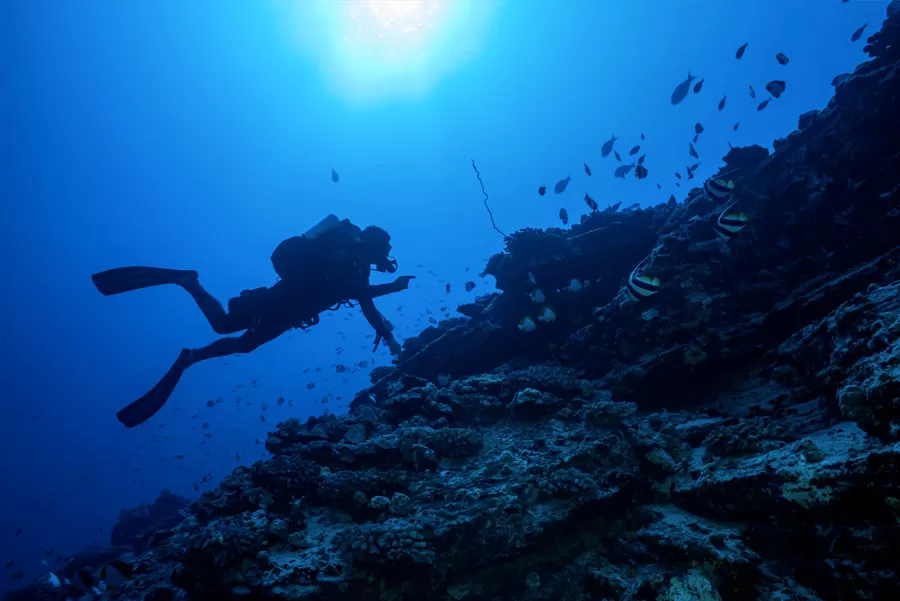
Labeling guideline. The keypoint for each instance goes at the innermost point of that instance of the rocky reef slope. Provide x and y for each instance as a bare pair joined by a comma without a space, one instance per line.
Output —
734,438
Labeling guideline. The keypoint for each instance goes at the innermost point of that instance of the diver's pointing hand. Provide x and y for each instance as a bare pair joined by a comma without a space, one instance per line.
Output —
403,281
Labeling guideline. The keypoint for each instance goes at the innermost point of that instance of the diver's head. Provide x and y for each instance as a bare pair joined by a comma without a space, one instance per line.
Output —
376,244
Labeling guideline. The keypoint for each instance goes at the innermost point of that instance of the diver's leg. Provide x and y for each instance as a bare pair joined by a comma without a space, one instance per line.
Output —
234,345
216,315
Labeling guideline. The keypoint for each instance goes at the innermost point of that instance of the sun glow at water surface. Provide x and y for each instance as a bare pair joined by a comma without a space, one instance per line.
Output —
377,49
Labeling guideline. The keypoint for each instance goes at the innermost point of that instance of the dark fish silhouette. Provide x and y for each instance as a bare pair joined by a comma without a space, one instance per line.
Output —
690,172
782,58
763,104
622,171
634,151
696,137
752,93
608,146
470,286
334,176
698,129
641,159
693,151
740,51
642,136
587,169
640,172
542,190
678,175
698,86
618,158
560,186
858,33
722,102
695,166
776,88
590,202
681,90
564,215
736,126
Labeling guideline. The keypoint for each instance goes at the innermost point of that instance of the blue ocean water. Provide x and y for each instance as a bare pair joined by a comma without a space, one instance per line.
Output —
199,135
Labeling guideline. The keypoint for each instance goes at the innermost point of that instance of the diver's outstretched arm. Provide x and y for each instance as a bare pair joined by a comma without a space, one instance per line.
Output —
379,324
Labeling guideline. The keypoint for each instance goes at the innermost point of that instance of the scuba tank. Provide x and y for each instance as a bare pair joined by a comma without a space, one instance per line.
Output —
295,258
329,223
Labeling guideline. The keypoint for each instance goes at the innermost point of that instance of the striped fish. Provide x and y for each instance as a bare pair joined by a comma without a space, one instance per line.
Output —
640,287
718,190
729,224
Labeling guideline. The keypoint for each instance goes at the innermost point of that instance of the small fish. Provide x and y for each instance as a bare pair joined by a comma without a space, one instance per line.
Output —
591,203
658,187
560,186
696,137
729,225
640,287
447,288
677,175
634,151
575,286
618,158
334,176
763,104
339,369
681,90
641,159
698,86
537,296
587,169
608,146
622,171
695,166
693,151
858,33
722,102
564,216
546,315
542,190
640,171
740,51
752,93
782,58
718,190
690,172
642,136
776,88
698,128
736,126
470,286
526,324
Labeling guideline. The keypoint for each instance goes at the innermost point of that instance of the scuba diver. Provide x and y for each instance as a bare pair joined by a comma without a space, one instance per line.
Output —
324,269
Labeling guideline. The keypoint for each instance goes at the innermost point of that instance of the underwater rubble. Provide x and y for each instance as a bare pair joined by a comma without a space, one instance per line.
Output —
735,438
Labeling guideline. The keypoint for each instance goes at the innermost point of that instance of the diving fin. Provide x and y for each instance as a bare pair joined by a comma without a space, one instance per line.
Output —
148,405
126,279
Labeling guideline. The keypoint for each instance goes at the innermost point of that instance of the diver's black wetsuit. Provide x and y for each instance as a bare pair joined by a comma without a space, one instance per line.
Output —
284,307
